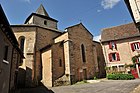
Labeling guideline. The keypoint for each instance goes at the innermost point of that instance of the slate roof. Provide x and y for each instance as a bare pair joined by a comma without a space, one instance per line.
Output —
119,32
41,10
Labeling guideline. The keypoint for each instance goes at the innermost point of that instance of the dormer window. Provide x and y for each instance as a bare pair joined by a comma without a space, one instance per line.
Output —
112,45
45,22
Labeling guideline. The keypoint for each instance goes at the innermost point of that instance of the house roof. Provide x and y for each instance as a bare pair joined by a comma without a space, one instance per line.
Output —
41,10
119,32
78,25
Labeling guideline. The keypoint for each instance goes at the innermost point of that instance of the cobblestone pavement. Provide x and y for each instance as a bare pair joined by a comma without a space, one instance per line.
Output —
105,86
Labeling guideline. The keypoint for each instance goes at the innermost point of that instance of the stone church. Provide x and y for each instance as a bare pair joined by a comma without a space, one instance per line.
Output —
54,57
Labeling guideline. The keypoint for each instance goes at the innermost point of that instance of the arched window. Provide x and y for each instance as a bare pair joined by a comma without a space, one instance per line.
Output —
21,43
83,53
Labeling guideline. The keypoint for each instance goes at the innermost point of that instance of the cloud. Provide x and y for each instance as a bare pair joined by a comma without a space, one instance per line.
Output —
97,38
99,11
109,4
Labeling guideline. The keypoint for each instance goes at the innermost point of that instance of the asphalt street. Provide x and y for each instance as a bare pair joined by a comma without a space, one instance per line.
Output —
104,86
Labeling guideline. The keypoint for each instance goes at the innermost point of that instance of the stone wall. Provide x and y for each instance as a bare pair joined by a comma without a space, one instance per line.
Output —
40,22
78,69
100,67
45,37
29,46
5,65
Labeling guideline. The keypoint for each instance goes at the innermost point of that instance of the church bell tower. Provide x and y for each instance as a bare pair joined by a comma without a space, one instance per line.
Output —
41,18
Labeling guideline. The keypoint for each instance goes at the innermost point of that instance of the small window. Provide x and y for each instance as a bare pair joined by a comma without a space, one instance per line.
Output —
45,22
83,53
112,45
135,46
5,53
21,43
114,68
121,68
60,63
114,57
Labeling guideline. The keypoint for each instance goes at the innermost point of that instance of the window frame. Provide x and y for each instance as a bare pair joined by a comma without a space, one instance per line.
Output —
112,45
83,53
5,57
45,22
111,57
22,47
135,46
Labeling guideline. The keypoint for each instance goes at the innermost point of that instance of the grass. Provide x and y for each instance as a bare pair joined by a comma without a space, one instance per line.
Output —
81,82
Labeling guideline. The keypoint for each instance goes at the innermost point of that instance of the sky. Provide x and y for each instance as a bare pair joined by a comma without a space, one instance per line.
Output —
94,14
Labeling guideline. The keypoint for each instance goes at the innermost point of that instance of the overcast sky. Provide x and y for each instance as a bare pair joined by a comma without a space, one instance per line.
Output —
94,14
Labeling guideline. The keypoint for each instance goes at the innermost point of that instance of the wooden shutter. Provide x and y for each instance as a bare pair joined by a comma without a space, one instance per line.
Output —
132,46
110,57
110,45
118,57
115,45
139,44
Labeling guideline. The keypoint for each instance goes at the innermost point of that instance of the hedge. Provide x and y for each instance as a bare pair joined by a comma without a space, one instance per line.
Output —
120,76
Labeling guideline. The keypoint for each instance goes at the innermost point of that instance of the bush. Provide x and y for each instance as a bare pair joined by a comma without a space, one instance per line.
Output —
120,76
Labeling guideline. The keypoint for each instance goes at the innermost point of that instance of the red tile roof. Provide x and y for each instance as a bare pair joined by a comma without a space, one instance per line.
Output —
119,32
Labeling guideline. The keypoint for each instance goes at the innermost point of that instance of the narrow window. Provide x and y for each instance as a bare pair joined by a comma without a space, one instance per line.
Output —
5,53
45,22
114,56
112,45
60,63
83,53
21,43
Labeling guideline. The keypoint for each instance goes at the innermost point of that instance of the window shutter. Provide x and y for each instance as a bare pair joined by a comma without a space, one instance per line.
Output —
132,46
110,57
139,44
118,57
110,45
115,45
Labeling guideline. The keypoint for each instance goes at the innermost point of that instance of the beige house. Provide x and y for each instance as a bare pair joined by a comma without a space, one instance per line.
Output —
54,57
10,56
120,44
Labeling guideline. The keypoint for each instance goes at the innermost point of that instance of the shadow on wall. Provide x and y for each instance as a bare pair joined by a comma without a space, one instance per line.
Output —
21,78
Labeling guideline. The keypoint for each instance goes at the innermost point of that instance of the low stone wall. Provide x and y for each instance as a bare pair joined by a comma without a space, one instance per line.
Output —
64,80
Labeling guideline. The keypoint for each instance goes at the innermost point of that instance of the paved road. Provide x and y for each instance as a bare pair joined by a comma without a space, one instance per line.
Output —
105,86
110,86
